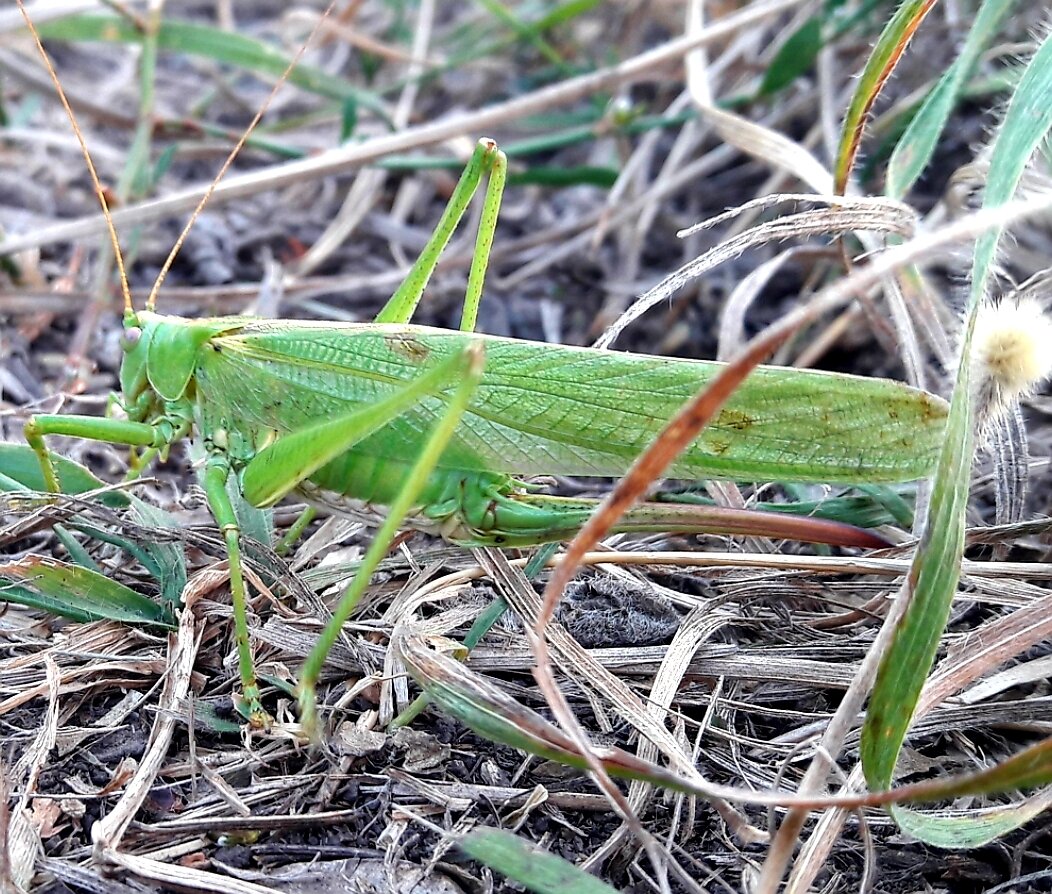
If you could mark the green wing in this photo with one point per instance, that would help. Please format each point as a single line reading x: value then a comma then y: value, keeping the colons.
x: 546, y: 409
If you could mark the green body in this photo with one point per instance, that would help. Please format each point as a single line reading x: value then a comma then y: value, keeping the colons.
x: 539, y: 409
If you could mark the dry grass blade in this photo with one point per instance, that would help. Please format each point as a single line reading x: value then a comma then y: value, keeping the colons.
x: 22, y: 844
x: 107, y: 833
x: 857, y: 215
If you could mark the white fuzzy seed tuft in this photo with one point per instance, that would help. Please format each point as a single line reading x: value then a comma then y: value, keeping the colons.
x: 1012, y: 346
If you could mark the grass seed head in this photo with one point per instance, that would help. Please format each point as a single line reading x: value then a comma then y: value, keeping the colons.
x: 1011, y: 353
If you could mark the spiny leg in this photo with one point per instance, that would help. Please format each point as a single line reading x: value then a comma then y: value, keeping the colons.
x: 486, y: 158
x: 217, y: 470
x: 470, y: 363
x: 275, y: 471
x: 294, y: 457
x: 484, y: 241
x: 90, y: 428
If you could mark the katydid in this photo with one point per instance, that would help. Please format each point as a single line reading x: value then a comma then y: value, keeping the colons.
x: 442, y: 429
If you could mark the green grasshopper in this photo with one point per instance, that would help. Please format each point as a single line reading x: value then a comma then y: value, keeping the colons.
x: 441, y: 429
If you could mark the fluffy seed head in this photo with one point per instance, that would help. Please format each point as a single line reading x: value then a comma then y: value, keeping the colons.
x: 1011, y: 353
x: 1013, y: 346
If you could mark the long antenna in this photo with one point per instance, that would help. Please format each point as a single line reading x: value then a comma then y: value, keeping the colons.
x: 96, y: 182
x: 152, y: 299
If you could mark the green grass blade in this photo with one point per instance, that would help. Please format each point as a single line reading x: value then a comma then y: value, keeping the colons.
x: 581, y: 175
x: 564, y: 12
x: 20, y: 471
x: 135, y: 180
x: 1026, y: 125
x: 528, y: 32
x: 973, y: 828
x: 530, y: 866
x: 881, y: 63
x: 968, y: 828
x: 932, y: 582
x: 914, y: 150
x: 14, y: 594
x: 165, y: 561
x: 128, y: 545
x: 76, y: 593
x: 77, y: 552
x: 793, y: 58
x: 933, y: 578
x: 965, y: 829
x: 258, y: 524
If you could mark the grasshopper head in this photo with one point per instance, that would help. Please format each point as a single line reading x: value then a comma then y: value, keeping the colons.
x: 139, y: 396
x: 160, y: 355
x: 160, y: 360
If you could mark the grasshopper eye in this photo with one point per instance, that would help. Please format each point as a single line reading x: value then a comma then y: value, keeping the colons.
x: 131, y: 337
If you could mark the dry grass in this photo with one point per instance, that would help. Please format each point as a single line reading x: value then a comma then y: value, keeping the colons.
x: 121, y: 747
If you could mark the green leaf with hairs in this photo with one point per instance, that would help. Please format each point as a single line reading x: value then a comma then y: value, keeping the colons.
x: 77, y: 593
